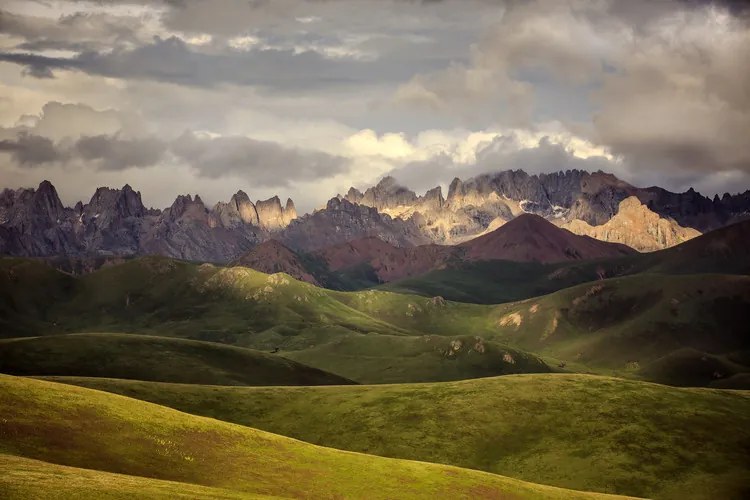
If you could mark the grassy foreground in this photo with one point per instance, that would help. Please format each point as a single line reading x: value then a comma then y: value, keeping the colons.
x: 576, y: 431
x: 23, y: 478
x: 78, y: 427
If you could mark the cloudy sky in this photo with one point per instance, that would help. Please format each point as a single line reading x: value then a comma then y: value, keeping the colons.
x: 304, y: 98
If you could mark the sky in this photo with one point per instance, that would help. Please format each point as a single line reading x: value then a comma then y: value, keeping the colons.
x: 305, y: 98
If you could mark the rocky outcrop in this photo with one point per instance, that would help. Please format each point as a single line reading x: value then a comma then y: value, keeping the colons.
x: 388, y: 194
x: 34, y: 222
x: 341, y: 221
x: 636, y: 226
x: 237, y: 212
x: 272, y: 216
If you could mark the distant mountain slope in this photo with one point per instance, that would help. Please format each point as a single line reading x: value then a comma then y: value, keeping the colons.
x: 121, y: 435
x: 530, y: 238
x: 273, y: 257
x: 162, y: 359
x: 527, y: 238
x: 719, y: 251
x: 387, y: 261
x: 636, y: 226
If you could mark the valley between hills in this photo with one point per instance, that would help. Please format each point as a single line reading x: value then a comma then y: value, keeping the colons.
x: 221, y: 356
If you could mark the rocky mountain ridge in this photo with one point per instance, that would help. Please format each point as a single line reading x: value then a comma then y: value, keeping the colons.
x: 475, y: 205
x: 34, y: 222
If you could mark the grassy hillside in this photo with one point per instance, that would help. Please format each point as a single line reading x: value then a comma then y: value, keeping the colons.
x: 684, y: 330
x: 28, y: 288
x: 370, y: 336
x: 498, y: 281
x: 160, y: 359
x: 619, y: 325
x: 577, y: 431
x: 81, y: 428
x: 390, y: 359
x: 22, y: 479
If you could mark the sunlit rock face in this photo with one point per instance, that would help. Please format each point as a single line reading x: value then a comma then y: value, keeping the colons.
x: 636, y: 226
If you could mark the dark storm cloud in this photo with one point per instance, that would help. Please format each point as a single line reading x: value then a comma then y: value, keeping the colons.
x: 114, y: 153
x: 264, y: 163
x: 172, y: 60
x: 31, y: 150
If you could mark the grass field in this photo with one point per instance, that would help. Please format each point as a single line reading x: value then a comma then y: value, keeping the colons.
x: 22, y: 479
x: 160, y: 359
x: 70, y: 426
x: 576, y: 431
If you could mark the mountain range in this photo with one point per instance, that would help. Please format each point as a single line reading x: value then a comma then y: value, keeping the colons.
x: 115, y: 222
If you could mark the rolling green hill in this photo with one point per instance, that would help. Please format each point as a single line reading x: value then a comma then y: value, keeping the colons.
x: 158, y: 359
x: 373, y: 336
x: 615, y: 326
x: 682, y: 329
x: 576, y: 431
x: 74, y: 427
x: 22, y: 478
x: 377, y: 359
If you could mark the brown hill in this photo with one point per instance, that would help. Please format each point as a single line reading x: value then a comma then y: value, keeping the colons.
x: 531, y: 238
x: 387, y: 261
x: 527, y: 238
x: 273, y: 257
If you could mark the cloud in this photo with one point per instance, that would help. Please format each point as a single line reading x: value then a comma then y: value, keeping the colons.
x: 60, y: 120
x: 175, y: 61
x: 79, y: 31
x: 667, y: 81
x: 31, y: 150
x: 263, y: 163
x: 115, y: 153
x: 679, y: 99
